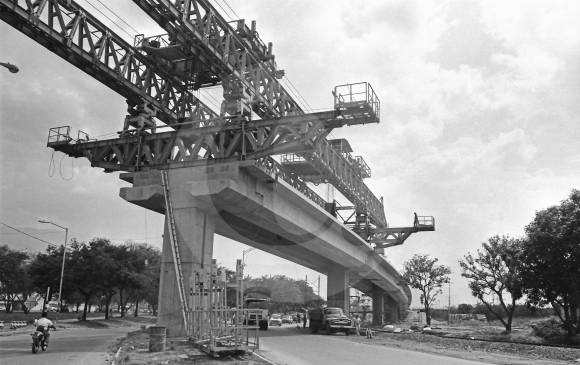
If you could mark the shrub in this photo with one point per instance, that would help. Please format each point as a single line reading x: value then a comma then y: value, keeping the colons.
x: 550, y: 330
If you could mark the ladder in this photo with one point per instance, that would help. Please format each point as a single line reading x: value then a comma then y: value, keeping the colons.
x: 175, y: 250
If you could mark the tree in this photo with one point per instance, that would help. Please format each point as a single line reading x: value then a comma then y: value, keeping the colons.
x: 83, y: 273
x: 14, y: 280
x: 150, y: 277
x: 110, y: 268
x: 140, y: 280
x: 45, y: 269
x: 551, y: 257
x: 496, y: 271
x: 422, y: 273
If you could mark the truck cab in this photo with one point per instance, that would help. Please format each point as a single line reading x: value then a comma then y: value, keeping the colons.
x: 330, y: 320
x: 257, y: 306
x: 257, y: 313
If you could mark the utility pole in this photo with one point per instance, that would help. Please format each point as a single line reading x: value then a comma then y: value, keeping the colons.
x: 449, y: 306
x: 63, y: 260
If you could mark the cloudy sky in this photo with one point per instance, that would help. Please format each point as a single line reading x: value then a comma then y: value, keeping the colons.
x: 480, y: 126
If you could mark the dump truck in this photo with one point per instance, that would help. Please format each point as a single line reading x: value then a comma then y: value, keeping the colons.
x: 330, y: 320
x: 257, y: 304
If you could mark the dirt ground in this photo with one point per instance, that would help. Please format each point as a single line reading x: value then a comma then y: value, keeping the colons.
x: 477, y: 342
x: 134, y: 350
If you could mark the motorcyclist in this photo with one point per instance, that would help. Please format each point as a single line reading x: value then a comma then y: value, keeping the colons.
x: 43, y: 324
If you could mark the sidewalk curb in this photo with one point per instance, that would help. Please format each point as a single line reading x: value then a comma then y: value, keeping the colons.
x: 263, y: 358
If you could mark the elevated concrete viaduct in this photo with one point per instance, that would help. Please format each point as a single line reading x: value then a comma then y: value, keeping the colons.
x: 241, y: 201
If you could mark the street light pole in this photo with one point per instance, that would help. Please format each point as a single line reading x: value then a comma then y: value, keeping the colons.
x: 244, y: 252
x: 63, y: 260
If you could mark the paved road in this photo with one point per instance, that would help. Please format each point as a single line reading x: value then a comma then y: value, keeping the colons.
x: 290, y: 346
x: 84, y: 346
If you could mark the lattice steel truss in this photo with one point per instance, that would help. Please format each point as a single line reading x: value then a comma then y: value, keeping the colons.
x: 157, y: 76
x: 74, y: 34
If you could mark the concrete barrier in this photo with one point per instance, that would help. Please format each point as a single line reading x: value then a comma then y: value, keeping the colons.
x: 18, y: 324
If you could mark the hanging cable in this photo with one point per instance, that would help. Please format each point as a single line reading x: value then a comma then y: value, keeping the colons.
x: 233, y: 11
x: 298, y: 92
x: 111, y: 20
x: 212, y: 97
x: 224, y: 10
x: 146, y: 230
x: 27, y: 234
x: 118, y: 17
x: 51, y: 165
x: 72, y: 169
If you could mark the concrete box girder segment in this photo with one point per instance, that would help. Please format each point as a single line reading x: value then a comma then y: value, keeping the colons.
x: 254, y: 207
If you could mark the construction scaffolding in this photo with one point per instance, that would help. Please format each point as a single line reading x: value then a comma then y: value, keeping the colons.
x: 216, y: 328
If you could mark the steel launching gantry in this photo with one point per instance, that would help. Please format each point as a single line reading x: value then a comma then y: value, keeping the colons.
x: 167, y: 126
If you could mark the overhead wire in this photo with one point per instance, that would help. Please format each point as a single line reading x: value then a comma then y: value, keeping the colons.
x: 27, y: 234
x: 111, y: 20
x: 211, y: 99
x: 233, y: 11
x: 298, y: 92
x: 14, y: 233
x: 118, y: 17
x: 221, y: 7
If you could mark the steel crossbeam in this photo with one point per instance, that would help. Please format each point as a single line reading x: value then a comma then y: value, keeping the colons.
x: 66, y: 29
x: 392, y: 236
x: 202, y: 145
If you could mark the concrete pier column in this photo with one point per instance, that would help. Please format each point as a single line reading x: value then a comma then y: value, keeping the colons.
x: 391, y: 310
x: 337, y: 288
x: 195, y: 231
x: 378, y: 296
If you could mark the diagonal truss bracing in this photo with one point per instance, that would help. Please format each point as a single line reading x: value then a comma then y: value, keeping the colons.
x: 68, y: 30
x: 231, y: 53
x: 238, y: 52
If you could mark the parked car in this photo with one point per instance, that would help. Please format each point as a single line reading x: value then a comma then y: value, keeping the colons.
x: 287, y: 319
x: 52, y: 307
x: 1, y: 324
x: 276, y: 319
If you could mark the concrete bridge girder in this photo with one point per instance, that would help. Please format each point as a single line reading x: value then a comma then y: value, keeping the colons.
x: 242, y: 202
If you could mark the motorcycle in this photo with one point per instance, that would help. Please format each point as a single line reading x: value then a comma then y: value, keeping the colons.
x: 39, y: 339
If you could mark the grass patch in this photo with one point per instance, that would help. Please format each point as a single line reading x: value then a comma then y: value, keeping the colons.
x: 30, y: 317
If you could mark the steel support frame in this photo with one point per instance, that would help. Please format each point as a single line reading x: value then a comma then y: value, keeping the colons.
x: 65, y: 28
x: 72, y: 33
x: 198, y: 25
x: 199, y: 28
x: 188, y: 147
